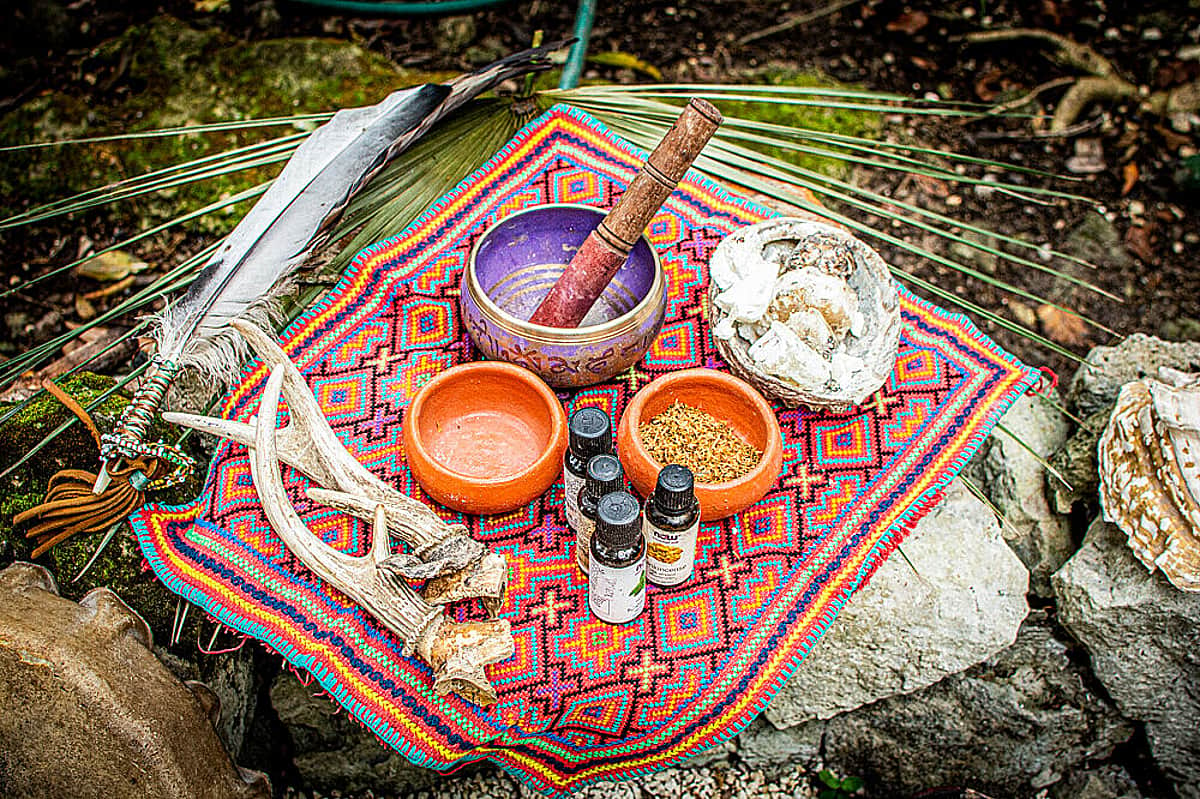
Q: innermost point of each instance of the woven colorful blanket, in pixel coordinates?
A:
(581, 700)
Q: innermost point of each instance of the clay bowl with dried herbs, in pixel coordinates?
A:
(717, 425)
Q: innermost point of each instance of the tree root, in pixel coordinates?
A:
(1103, 81)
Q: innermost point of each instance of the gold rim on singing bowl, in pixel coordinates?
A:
(591, 334)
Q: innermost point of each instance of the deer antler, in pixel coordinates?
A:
(308, 444)
(457, 652)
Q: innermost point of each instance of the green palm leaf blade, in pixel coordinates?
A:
(746, 152)
(417, 178)
(399, 194)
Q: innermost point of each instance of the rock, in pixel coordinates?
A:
(765, 745)
(907, 629)
(1097, 241)
(1009, 727)
(1015, 481)
(1104, 782)
(1143, 636)
(1076, 462)
(233, 678)
(1098, 381)
(90, 711)
(331, 752)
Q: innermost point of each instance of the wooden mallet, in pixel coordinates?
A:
(606, 248)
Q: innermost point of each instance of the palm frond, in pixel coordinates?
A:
(737, 154)
(758, 155)
(400, 193)
(434, 166)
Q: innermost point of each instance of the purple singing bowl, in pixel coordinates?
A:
(515, 263)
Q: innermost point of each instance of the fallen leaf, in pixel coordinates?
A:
(625, 61)
(1129, 176)
(1140, 242)
(112, 265)
(1062, 326)
(923, 63)
(909, 22)
(1023, 313)
(931, 186)
(209, 6)
(1172, 139)
(84, 308)
(111, 288)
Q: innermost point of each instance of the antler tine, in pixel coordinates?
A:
(292, 449)
(391, 601)
(264, 466)
(306, 414)
(380, 539)
(424, 532)
(335, 467)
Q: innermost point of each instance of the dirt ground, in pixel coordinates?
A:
(1132, 165)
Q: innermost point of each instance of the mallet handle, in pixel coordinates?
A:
(606, 248)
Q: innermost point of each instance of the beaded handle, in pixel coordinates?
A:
(125, 442)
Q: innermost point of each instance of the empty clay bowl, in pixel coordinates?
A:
(485, 437)
(516, 261)
(722, 396)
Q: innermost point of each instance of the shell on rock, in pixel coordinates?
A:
(806, 312)
(1149, 463)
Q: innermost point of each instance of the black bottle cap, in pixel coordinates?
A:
(617, 520)
(604, 475)
(675, 488)
(590, 432)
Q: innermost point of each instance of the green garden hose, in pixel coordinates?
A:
(583, 31)
(571, 70)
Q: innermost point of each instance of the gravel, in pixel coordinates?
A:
(736, 781)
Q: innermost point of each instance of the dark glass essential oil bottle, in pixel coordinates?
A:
(604, 476)
(617, 577)
(671, 524)
(589, 432)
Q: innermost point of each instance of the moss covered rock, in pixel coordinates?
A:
(808, 112)
(26, 431)
(165, 74)
(120, 567)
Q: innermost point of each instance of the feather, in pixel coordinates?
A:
(249, 272)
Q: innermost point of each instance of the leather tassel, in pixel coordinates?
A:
(71, 506)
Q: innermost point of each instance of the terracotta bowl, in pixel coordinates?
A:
(724, 397)
(485, 437)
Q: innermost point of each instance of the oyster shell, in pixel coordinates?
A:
(1149, 462)
(804, 311)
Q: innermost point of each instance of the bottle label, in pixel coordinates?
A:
(670, 554)
(617, 595)
(571, 486)
(583, 541)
